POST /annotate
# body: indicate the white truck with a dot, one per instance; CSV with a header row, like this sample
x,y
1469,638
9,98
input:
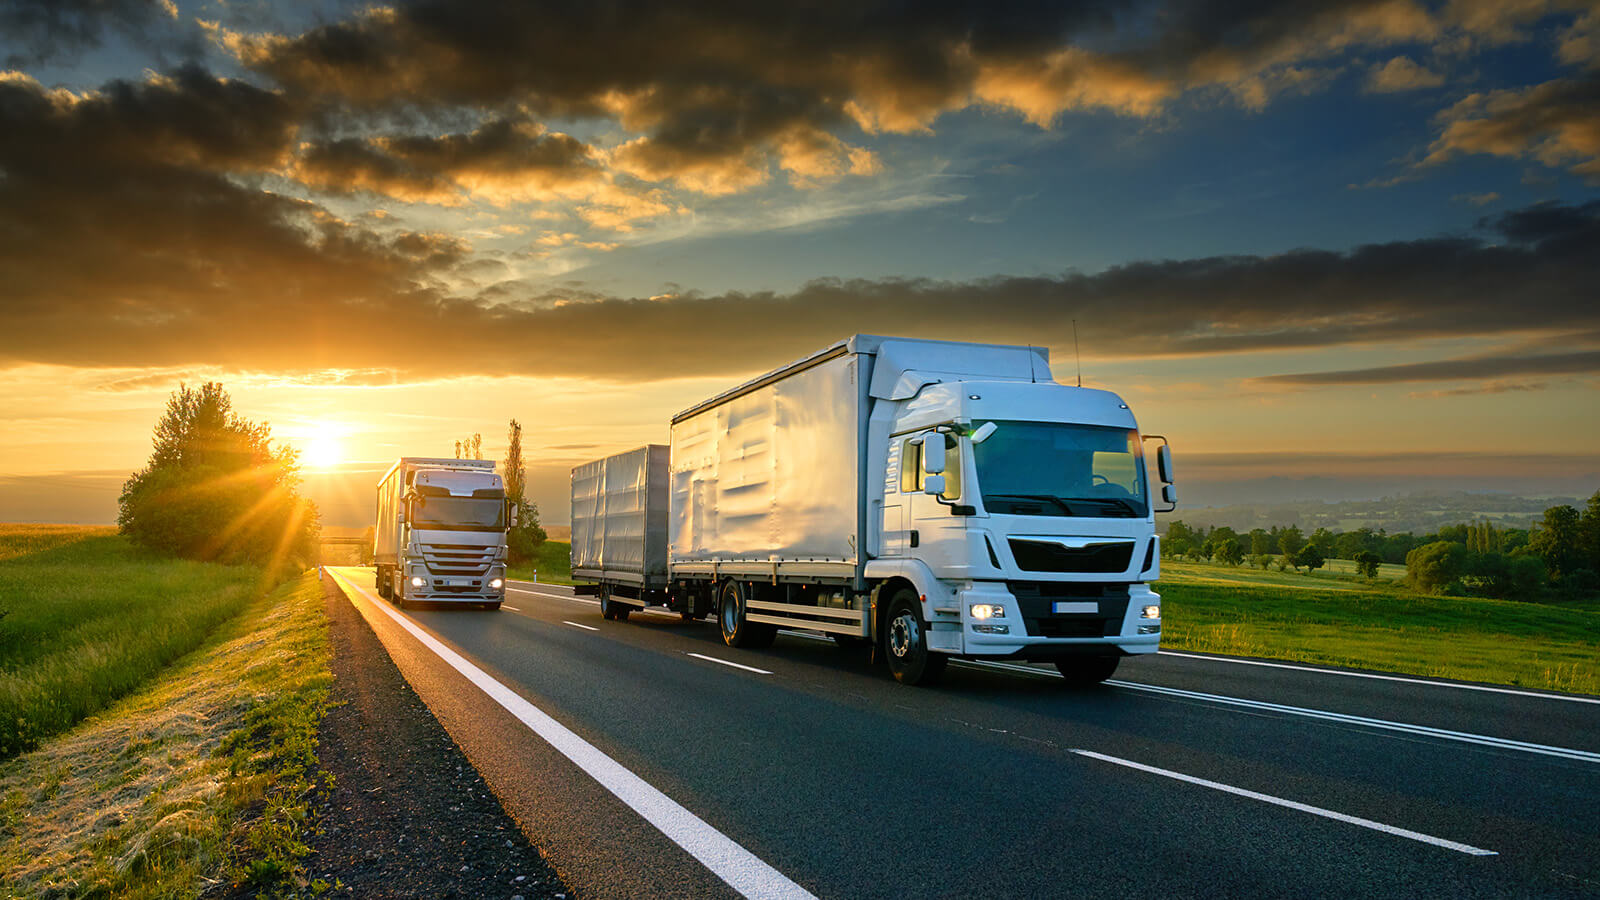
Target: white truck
x,y
935,499
441,532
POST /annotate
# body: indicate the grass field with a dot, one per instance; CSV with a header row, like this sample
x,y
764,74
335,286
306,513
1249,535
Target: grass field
x,y
1381,625
85,618
198,780
553,563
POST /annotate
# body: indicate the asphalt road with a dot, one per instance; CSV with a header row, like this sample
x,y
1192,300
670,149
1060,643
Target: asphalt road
x,y
647,759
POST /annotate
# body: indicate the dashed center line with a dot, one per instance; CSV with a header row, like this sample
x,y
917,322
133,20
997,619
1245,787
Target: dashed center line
x,y
579,625
726,663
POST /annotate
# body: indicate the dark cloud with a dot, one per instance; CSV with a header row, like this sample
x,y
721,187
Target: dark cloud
x,y
718,93
502,160
39,30
1453,370
1554,122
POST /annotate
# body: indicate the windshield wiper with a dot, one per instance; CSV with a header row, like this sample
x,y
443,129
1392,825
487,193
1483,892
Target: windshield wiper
x,y
1049,498
1121,502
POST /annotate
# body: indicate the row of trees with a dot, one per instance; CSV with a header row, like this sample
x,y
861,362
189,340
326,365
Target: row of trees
x,y
1561,553
523,540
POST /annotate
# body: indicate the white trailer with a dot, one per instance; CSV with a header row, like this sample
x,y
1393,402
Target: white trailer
x,y
934,498
619,527
441,532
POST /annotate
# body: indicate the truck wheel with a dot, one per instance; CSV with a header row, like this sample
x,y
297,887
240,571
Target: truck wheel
x,y
1082,671
611,609
382,585
905,643
733,618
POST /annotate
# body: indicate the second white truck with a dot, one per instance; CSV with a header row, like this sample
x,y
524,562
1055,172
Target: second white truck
x,y
936,499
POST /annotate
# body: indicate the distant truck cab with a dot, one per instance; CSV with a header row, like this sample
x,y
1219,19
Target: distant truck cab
x,y
441,532
936,499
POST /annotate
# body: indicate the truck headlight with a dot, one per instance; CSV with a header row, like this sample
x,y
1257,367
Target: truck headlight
x,y
496,584
988,611
1150,612
418,581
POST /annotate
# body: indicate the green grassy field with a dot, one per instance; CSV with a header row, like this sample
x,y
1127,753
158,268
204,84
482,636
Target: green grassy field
x,y
88,618
1346,621
199,780
553,563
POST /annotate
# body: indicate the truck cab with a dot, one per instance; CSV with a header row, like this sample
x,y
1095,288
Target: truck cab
x,y
441,535
1022,513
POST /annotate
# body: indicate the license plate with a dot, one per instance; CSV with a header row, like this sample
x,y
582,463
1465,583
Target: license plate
x,y
1075,606
456,582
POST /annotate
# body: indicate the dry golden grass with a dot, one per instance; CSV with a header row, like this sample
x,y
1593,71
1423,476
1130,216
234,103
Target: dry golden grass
x,y
146,798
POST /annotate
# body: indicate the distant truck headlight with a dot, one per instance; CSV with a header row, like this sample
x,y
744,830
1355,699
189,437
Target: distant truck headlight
x,y
418,581
1150,612
496,584
988,611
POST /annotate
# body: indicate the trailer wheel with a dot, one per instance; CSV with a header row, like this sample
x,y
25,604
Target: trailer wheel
x,y
382,584
1083,671
905,643
733,618
611,609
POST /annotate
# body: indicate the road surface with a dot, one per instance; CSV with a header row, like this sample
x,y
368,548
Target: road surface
x,y
647,759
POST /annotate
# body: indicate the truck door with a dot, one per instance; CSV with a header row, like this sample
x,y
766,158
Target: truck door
x,y
932,534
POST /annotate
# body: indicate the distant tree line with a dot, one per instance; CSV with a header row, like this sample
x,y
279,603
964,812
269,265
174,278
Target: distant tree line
x,y
1559,556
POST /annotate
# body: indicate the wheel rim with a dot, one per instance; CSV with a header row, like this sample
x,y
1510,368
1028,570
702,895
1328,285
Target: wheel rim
x,y
730,611
904,634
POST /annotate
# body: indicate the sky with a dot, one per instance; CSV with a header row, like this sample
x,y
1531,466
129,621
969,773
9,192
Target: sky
x,y
1331,250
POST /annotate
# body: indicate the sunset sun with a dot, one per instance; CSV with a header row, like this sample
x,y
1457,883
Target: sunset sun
x,y
322,451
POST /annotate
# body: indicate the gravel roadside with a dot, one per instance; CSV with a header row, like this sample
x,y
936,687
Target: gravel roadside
x,y
408,815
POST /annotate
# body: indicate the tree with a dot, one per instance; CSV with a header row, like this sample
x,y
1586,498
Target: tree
x,y
1260,542
1432,567
1322,539
471,448
1290,540
1589,534
523,540
1261,560
216,489
1230,553
1367,564
1310,556
1556,540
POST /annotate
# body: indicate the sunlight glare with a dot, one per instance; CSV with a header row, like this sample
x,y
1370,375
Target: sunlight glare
x,y
322,452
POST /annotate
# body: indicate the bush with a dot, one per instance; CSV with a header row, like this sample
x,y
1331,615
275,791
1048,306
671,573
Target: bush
x,y
1367,564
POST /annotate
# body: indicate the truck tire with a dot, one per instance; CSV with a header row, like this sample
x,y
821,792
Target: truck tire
x,y
611,609
1083,671
733,619
905,643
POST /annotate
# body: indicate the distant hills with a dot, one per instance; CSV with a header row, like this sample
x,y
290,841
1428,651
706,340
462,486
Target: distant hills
x,y
1418,513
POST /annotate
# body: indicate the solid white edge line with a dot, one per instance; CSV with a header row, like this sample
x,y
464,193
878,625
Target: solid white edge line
x,y
512,608
579,625
728,860
1384,724
726,663
1431,683
1291,804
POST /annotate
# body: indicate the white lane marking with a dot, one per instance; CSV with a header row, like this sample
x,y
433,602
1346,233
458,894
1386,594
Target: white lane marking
x,y
733,664
554,596
512,608
579,625
741,869
1445,684
1290,804
1384,724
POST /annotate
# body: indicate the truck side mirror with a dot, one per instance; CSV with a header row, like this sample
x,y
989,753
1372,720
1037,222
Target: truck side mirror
x,y
1164,463
933,484
1169,494
933,455
511,513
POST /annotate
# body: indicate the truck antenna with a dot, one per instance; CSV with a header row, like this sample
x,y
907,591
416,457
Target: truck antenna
x,y
1075,351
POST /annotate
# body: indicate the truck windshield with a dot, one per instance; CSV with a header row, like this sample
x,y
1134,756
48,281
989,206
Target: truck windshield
x,y
458,514
1051,469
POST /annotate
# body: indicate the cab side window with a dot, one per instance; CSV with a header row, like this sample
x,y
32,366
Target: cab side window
x,y
912,472
910,467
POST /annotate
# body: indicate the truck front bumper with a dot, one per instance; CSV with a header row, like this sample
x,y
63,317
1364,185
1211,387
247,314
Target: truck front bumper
x,y
1012,635
487,588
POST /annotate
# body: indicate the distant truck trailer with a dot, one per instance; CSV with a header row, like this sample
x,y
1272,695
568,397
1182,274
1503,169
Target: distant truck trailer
x,y
935,499
441,532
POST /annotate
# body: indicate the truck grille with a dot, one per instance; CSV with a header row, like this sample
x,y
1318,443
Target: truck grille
x,y
1036,599
1048,556
456,560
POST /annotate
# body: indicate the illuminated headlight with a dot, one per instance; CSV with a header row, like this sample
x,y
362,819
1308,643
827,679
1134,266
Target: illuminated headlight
x,y
418,581
496,584
1150,612
992,629
988,611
